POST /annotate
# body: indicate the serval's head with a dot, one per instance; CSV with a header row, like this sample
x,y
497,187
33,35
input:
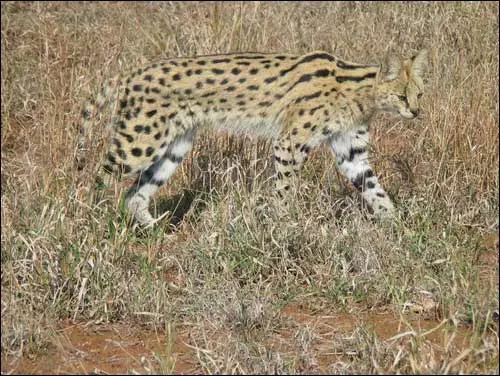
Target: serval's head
x,y
400,85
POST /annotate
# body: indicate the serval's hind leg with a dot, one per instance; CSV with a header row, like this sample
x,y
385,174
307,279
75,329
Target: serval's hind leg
x,y
152,178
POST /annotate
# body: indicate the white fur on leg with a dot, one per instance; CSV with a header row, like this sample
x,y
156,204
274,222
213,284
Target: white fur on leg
x,y
352,157
138,203
379,201
138,206
181,147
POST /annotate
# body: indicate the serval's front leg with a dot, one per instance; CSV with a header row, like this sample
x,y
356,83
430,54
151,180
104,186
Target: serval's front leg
x,y
351,153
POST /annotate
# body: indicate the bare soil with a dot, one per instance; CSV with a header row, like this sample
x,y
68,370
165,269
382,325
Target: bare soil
x,y
119,348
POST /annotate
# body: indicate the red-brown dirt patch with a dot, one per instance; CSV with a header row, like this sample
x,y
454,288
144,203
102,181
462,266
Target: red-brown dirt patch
x,y
332,330
103,349
119,348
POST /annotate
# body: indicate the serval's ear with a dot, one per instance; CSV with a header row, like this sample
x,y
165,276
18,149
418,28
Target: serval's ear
x,y
391,67
419,63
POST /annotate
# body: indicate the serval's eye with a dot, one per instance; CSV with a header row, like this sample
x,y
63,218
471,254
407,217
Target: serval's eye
x,y
402,98
419,95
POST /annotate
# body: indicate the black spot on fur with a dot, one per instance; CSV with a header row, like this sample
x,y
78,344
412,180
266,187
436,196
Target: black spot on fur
x,y
209,94
341,79
355,151
249,57
111,158
216,61
270,79
117,143
361,178
158,183
128,137
136,152
122,154
308,97
313,110
307,59
305,149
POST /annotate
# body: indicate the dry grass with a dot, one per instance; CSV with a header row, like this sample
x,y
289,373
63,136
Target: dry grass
x,y
227,269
